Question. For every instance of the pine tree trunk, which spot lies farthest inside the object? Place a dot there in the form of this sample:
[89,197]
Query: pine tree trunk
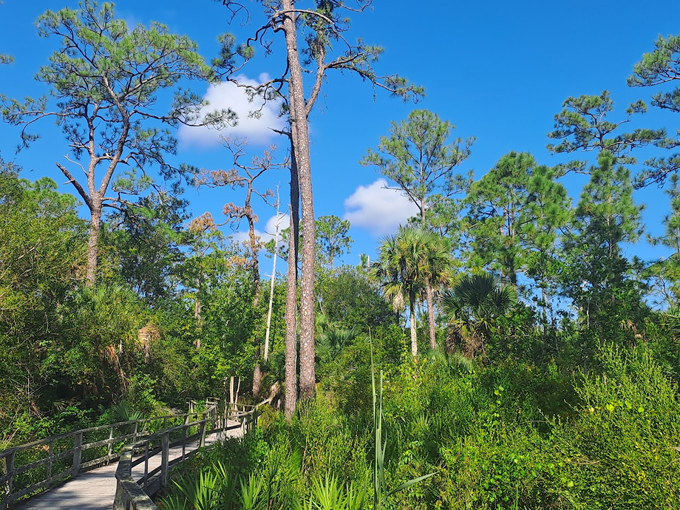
[298,119]
[255,271]
[254,263]
[257,378]
[93,241]
[291,296]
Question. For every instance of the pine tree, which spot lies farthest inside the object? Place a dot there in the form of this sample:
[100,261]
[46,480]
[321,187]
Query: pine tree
[660,67]
[314,43]
[598,275]
[420,159]
[332,237]
[516,214]
[106,80]
[667,270]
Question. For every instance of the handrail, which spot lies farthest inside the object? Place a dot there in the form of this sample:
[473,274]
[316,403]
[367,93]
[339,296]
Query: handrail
[136,495]
[71,459]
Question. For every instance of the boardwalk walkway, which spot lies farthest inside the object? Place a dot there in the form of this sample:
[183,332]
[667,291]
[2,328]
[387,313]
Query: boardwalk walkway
[95,489]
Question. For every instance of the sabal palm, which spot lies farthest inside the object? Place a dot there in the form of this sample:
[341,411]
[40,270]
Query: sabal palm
[408,264]
[394,272]
[435,268]
[331,338]
[474,303]
[387,271]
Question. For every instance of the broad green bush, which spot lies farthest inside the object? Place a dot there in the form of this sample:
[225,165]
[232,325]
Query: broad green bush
[503,470]
[621,450]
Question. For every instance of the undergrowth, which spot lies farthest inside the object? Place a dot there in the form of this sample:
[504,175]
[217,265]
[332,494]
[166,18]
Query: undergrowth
[508,436]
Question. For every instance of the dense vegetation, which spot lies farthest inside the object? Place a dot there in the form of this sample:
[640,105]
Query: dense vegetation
[502,342]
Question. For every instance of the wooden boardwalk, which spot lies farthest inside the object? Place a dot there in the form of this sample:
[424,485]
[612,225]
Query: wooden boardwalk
[95,489]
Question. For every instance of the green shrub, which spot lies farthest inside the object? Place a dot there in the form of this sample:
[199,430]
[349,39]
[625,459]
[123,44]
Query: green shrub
[621,450]
[508,469]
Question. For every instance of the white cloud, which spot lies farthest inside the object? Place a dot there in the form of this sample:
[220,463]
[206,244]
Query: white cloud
[378,209]
[269,229]
[258,130]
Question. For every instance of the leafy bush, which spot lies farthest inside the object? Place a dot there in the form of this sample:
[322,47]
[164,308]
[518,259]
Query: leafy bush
[621,451]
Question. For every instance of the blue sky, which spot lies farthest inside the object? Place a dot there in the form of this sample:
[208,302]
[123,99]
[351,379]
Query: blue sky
[499,71]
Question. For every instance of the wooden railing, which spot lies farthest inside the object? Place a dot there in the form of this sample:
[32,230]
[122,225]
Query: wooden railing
[134,494]
[37,466]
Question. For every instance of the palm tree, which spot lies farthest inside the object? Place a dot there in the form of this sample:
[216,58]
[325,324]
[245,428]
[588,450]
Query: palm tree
[435,266]
[332,337]
[408,264]
[393,271]
[388,270]
[473,305]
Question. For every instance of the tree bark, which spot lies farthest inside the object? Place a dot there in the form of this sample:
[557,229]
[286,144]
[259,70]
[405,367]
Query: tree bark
[255,271]
[257,377]
[197,314]
[429,295]
[254,262]
[414,332]
[93,241]
[300,136]
[291,295]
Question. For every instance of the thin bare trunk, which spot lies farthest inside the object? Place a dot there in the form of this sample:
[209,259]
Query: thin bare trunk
[414,332]
[271,289]
[300,136]
[291,295]
[257,372]
[430,313]
[231,392]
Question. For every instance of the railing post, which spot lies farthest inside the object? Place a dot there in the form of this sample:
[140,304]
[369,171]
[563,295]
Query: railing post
[165,458]
[119,502]
[50,453]
[203,424]
[184,441]
[9,471]
[77,453]
[146,462]
[134,432]
[110,449]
